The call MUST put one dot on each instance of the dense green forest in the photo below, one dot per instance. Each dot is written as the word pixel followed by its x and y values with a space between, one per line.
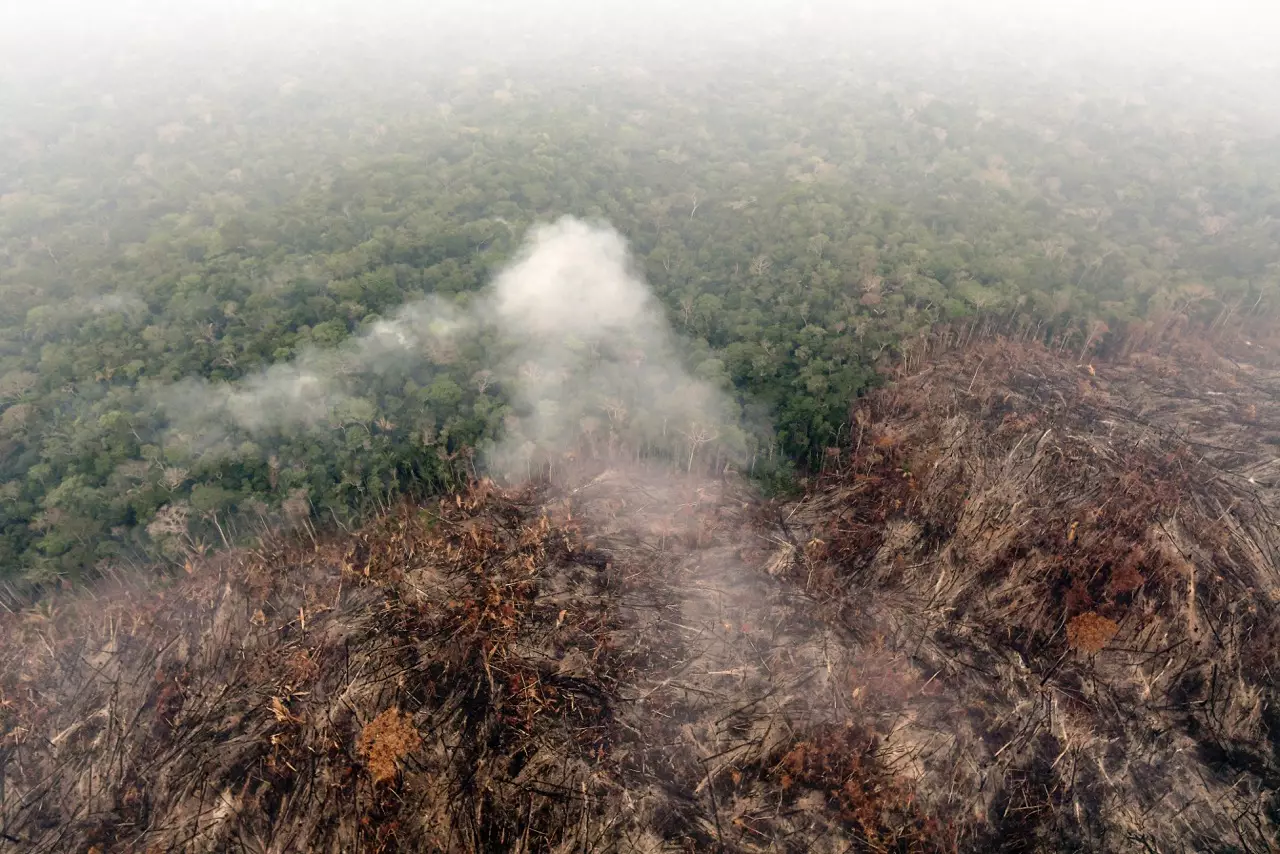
pixel 798 221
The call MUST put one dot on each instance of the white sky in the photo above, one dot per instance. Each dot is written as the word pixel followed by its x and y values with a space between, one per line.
pixel 1223 32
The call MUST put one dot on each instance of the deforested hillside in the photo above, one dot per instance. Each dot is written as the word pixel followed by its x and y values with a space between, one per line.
pixel 606 666
pixel 1029 605
pixel 1080 563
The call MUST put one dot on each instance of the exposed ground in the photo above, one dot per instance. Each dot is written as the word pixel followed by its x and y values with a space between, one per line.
pixel 1030 607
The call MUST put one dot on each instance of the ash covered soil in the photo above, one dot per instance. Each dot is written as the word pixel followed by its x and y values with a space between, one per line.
pixel 1030 606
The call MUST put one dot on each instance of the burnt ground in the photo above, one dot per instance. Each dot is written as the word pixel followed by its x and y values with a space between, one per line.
pixel 1032 606
pixel 1081 563
pixel 590 667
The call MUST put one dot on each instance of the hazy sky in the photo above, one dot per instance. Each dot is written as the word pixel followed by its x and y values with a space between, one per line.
pixel 1225 31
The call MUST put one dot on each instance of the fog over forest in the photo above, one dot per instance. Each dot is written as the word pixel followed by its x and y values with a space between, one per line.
pixel 198 201
pixel 736 425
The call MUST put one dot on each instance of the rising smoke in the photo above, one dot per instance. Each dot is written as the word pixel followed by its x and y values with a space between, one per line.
pixel 591 355
pixel 570 332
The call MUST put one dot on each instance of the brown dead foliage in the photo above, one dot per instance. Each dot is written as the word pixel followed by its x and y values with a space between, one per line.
pixel 1002 506
pixel 844 763
pixel 235 708
pixel 1090 633
pixel 386 740
pixel 477 675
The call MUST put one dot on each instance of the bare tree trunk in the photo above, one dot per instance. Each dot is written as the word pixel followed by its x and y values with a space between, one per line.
pixel 220 531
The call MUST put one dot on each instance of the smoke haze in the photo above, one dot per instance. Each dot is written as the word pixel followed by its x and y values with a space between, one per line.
pixel 571 331
pixel 592 352
pixel 319 390
pixel 62 33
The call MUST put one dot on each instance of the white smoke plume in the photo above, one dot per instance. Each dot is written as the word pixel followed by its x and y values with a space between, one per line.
pixel 592 358
pixel 571 333
pixel 319 390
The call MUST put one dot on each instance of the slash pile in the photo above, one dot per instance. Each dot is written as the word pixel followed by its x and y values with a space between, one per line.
pixel 378 691
pixel 550 669
pixel 1081 564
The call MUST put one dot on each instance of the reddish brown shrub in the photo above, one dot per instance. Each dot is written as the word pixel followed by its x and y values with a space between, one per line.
pixel 384 741
pixel 1091 632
